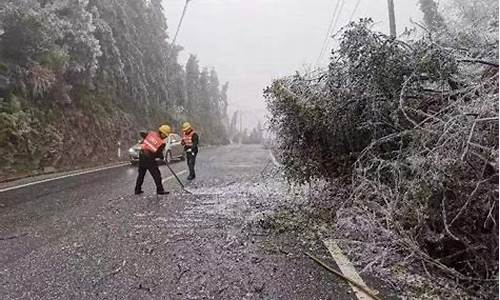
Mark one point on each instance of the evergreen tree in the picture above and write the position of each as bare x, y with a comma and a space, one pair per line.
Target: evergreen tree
432, 18
107, 64
192, 83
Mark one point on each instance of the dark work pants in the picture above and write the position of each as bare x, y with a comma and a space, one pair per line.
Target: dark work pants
191, 161
148, 164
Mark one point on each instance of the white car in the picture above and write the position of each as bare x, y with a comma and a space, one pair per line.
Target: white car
173, 149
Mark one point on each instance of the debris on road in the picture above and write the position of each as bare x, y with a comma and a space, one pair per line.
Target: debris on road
11, 237
365, 289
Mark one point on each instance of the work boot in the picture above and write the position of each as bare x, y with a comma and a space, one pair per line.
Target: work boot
163, 192
138, 192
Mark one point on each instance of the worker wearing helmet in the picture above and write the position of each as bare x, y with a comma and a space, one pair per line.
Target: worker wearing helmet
152, 148
190, 142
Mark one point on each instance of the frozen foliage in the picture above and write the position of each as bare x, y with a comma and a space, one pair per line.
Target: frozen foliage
413, 125
112, 49
107, 60
35, 33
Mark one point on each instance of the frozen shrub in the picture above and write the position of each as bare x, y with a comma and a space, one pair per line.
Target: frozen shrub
414, 125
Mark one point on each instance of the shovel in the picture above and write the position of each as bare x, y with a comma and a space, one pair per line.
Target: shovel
177, 178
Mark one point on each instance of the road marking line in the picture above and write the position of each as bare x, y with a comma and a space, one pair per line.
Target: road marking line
172, 177
275, 161
61, 177
347, 268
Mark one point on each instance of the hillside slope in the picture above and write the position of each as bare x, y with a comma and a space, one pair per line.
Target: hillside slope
77, 77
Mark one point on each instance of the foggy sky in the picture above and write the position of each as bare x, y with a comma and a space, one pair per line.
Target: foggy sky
251, 42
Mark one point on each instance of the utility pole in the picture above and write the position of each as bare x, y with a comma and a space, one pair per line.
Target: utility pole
392, 19
241, 127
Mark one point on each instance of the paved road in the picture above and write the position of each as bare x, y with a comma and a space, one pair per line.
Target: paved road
89, 237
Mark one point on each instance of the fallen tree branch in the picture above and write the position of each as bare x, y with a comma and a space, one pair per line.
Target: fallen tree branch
468, 141
443, 212
112, 273
469, 199
363, 288
487, 119
181, 272
478, 61
11, 237
411, 245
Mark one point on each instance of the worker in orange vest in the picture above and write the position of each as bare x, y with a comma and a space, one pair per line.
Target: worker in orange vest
152, 148
190, 142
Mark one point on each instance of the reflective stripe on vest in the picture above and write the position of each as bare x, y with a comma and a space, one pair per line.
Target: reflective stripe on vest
187, 139
152, 142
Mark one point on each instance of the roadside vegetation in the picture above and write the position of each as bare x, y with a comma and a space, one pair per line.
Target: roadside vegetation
407, 129
77, 77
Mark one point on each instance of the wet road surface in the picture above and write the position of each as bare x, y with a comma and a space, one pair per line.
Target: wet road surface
89, 237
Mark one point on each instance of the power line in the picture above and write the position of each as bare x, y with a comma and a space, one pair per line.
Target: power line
169, 51
337, 20
354, 10
328, 31
332, 30
338, 15
180, 21
172, 46
335, 23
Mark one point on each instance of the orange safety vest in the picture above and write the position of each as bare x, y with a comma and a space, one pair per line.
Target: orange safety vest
152, 142
187, 139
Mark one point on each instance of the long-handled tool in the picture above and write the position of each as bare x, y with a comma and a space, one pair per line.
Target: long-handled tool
359, 286
177, 178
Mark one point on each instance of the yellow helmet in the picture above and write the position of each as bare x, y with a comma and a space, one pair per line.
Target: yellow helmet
186, 126
165, 129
